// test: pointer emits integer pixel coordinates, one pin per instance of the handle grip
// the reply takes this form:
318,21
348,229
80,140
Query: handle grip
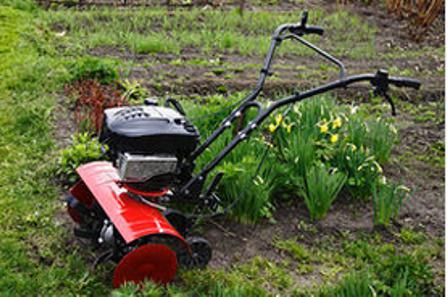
314,30
405,82
302,28
176,105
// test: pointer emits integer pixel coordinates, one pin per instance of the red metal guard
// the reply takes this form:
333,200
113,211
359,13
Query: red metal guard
132,219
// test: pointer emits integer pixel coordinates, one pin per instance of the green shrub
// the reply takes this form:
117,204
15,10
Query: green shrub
207,113
405,276
252,193
296,250
102,70
299,156
361,168
381,138
353,285
83,149
320,189
356,131
133,90
387,200
313,135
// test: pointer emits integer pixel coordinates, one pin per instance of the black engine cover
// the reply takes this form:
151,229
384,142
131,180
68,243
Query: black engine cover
148,130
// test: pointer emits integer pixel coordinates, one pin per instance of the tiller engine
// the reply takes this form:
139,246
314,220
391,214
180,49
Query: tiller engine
122,205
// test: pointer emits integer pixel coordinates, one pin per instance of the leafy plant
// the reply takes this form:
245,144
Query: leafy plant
102,70
83,149
297,251
300,156
405,276
92,99
353,285
252,194
387,200
320,188
361,168
133,90
381,138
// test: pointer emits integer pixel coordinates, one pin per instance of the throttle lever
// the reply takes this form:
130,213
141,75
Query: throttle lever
304,19
381,84
391,102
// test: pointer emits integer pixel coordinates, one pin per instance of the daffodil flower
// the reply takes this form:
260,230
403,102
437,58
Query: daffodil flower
272,128
334,138
324,128
288,128
352,147
278,119
337,123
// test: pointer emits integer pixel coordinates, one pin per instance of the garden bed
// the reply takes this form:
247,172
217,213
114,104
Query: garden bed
284,253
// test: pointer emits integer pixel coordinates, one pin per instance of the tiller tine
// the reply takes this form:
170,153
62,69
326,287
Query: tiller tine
155,262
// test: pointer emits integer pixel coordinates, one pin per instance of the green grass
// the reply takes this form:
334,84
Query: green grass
33,255
143,30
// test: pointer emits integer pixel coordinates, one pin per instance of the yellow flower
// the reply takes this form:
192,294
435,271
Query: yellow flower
288,128
337,123
272,128
334,138
324,128
278,119
352,147
393,129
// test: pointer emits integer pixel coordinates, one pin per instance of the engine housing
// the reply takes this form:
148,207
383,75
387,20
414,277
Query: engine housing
148,130
148,144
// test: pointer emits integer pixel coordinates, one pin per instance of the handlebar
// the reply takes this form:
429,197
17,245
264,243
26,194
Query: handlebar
304,30
381,82
301,28
405,82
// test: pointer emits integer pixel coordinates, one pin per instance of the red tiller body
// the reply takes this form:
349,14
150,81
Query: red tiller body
132,219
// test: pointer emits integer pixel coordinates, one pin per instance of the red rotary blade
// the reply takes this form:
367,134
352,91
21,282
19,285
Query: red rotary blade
155,262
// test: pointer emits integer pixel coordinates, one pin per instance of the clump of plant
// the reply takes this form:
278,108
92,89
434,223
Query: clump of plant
243,186
90,68
314,150
361,168
405,275
320,188
387,200
317,137
92,98
207,113
133,90
352,285
251,194
83,149
381,139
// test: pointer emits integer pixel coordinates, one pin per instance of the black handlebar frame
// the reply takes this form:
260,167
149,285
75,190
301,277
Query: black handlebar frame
380,81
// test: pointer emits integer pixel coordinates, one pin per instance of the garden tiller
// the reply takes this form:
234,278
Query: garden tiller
124,206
